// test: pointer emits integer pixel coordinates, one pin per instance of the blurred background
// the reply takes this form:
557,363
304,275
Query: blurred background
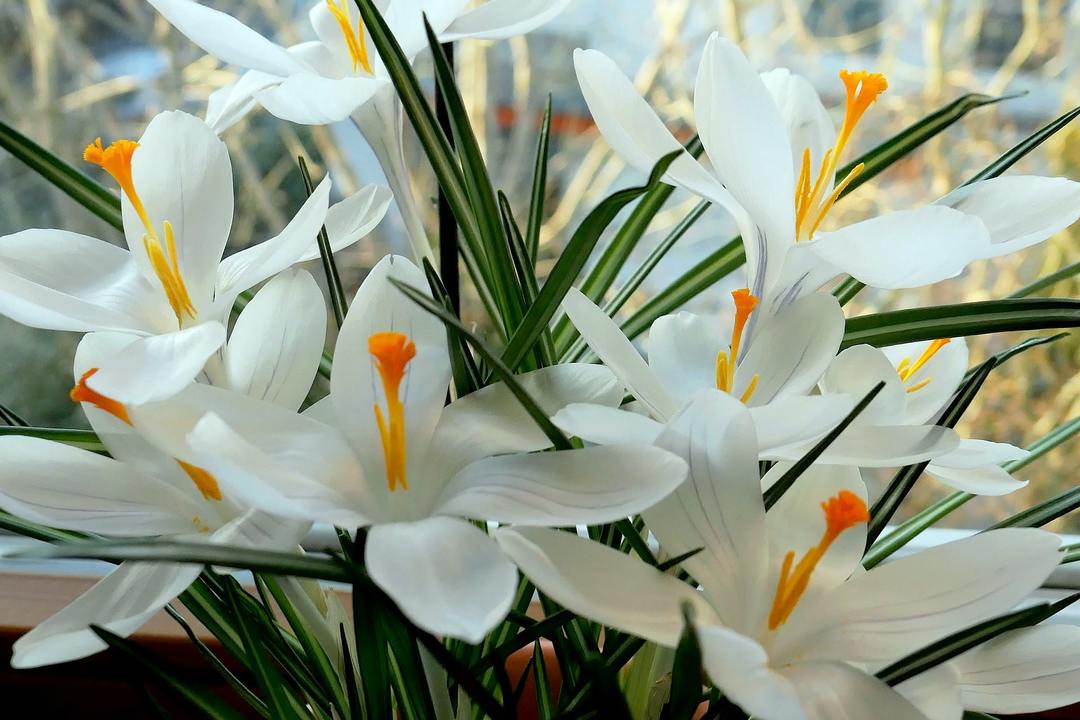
72,70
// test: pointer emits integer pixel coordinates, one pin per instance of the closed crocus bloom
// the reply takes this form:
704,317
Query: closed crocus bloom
786,618
383,452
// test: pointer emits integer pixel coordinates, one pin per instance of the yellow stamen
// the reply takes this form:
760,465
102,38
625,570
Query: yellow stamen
842,511
116,160
203,480
919,385
82,393
750,388
356,43
862,89
907,370
200,525
725,360
392,352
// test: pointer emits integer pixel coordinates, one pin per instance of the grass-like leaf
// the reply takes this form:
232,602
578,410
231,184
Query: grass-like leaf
12,418
467,376
1065,273
686,678
338,302
83,439
539,185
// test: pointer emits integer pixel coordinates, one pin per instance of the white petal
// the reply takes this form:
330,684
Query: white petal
634,131
607,425
182,174
977,453
227,105
491,421
808,123
615,350
719,508
975,467
838,691
309,99
945,370
58,280
499,19
225,37
603,584
682,352
935,693
353,218
798,420
159,366
355,385
746,139
61,486
405,18
570,487
277,341
121,603
1023,671
792,349
252,265
446,575
911,602
803,272
1018,210
905,249
739,667
855,372
880,446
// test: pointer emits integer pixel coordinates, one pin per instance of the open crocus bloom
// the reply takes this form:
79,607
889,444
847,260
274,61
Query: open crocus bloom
141,490
177,201
340,74
771,373
774,154
383,451
920,379
1028,670
784,612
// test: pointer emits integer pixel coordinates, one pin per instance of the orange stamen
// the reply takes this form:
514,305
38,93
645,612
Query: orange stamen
392,352
842,511
203,480
83,393
745,303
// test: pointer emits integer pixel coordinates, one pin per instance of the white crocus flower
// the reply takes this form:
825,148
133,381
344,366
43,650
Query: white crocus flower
770,373
340,75
177,200
141,490
920,378
1029,670
383,452
784,614
774,153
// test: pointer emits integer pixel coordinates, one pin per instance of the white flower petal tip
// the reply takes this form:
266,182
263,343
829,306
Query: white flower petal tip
499,19
353,218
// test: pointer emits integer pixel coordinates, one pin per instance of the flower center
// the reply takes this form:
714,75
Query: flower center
355,42
392,352
842,511
725,361
906,368
83,393
811,202
116,160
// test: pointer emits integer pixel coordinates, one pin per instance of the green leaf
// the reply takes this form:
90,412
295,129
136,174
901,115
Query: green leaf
571,261
349,672
467,376
526,276
686,676
539,186
10,417
269,561
464,677
338,302
785,481
889,502
963,319
83,439
1065,273
730,256
1044,512
545,708
81,188
146,663
558,439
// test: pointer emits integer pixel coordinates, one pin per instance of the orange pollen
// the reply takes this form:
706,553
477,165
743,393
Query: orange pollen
83,393
812,202
842,511
392,353
203,480
906,369
745,303
355,42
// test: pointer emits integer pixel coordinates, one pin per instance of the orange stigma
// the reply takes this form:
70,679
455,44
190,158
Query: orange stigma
906,368
812,203
82,393
164,259
392,352
355,42
745,303
842,511
203,480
